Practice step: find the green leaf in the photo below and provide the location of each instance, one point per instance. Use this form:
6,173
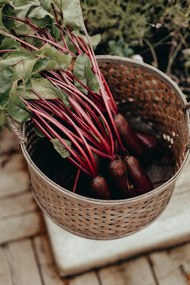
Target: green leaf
26,9
95,40
70,45
11,24
83,71
6,9
63,97
38,132
38,88
61,60
2,2
120,48
24,68
9,43
23,7
2,27
2,118
16,109
5,84
72,13
55,32
41,88
17,66
41,17
22,62
44,64
60,148
46,4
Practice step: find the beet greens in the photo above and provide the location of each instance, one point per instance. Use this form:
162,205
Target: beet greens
49,73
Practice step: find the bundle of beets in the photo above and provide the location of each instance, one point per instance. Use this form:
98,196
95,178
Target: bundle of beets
49,73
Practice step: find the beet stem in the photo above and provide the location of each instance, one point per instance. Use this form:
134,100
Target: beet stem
76,180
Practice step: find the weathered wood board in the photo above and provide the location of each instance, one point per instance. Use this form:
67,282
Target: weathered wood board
5,276
17,205
137,271
20,227
14,178
172,266
46,263
87,278
23,266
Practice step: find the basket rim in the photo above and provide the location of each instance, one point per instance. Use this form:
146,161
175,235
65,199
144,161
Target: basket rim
152,69
112,202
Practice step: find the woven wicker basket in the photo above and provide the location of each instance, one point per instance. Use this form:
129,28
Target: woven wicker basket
149,93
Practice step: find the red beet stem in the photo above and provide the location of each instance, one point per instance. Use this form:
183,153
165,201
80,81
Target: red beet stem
150,141
75,95
43,115
76,180
40,122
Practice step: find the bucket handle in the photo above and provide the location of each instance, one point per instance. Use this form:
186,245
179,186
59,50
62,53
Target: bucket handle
15,128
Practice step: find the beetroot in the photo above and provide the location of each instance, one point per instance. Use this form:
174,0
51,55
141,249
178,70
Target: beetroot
129,137
99,188
137,175
118,173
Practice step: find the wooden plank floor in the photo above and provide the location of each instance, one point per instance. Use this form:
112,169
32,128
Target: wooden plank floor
25,253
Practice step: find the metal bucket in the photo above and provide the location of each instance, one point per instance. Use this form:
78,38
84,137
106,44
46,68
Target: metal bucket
146,92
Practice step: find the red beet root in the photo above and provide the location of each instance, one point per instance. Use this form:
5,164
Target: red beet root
137,175
118,173
129,137
99,188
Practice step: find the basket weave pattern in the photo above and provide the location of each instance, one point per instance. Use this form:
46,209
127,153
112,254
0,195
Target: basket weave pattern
145,92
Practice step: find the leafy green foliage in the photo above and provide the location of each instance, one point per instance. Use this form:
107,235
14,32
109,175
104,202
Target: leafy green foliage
8,42
156,29
41,13
116,18
17,109
120,48
5,84
38,88
20,76
18,68
83,71
2,119
72,14
54,58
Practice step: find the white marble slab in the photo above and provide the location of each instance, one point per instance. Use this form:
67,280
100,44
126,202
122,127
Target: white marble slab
74,254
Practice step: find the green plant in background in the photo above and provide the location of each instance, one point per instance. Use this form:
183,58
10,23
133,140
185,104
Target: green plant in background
120,48
116,19
186,53
157,29
2,119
